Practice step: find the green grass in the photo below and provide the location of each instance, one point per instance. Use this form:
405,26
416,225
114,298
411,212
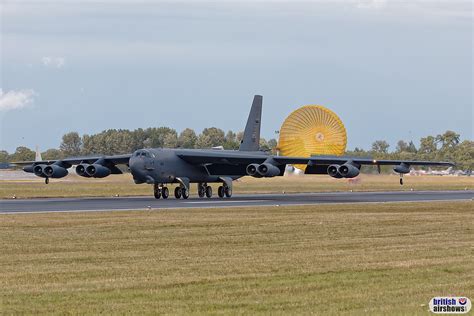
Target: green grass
323,259
73,186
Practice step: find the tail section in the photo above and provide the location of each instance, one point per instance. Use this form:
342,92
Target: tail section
251,138
38,154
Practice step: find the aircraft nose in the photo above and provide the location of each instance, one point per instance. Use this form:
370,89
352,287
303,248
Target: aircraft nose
137,168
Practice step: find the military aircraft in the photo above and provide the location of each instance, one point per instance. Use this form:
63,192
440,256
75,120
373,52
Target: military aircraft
162,166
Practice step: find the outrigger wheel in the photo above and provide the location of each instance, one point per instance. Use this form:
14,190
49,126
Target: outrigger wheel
312,130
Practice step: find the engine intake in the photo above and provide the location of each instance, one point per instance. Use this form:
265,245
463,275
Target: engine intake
252,170
81,170
39,170
348,170
55,171
268,170
333,171
97,171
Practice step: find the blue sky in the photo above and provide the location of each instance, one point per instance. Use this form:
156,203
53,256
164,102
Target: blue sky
390,69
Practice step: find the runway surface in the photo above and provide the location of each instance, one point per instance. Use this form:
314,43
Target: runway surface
146,203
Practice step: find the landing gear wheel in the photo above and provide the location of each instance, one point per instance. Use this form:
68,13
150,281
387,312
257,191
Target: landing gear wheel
209,192
177,192
165,193
157,194
185,193
228,192
220,191
46,180
401,181
201,190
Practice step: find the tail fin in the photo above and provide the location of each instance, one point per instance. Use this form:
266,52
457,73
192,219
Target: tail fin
38,154
251,139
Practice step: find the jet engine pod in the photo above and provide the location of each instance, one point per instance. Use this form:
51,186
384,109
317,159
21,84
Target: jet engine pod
38,170
252,170
402,168
29,168
81,170
268,170
348,170
55,171
333,171
97,171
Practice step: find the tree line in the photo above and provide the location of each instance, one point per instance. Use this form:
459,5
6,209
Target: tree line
446,147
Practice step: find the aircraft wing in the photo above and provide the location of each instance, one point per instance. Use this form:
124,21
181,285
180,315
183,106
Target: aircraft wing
329,160
115,159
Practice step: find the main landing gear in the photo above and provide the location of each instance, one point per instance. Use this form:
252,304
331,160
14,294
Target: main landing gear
46,180
181,192
160,191
224,191
204,190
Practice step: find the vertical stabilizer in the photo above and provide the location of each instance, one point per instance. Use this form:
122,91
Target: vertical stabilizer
251,138
38,155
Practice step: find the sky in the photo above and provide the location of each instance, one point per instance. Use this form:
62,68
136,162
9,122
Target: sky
390,69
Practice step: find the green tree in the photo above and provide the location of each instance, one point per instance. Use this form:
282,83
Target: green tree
447,140
170,140
380,146
231,141
71,144
23,154
211,137
187,138
4,156
52,154
402,146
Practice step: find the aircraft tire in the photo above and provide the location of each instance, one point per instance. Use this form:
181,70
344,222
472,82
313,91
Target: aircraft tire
228,192
201,190
220,191
185,193
177,192
157,194
46,180
165,193
208,192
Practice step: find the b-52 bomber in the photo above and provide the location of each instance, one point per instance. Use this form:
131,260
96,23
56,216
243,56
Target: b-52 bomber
162,166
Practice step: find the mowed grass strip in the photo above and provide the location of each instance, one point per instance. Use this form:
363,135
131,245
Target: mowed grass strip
323,259
74,186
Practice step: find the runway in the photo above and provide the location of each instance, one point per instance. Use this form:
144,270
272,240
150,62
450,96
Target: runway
149,203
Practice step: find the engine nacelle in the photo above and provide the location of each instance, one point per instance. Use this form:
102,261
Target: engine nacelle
98,171
333,171
268,170
29,168
348,170
402,168
81,170
39,170
252,170
55,171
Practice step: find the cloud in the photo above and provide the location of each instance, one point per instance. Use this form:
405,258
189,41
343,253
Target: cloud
371,4
13,100
57,62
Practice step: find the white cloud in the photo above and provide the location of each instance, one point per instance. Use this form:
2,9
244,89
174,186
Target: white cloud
57,62
12,100
371,4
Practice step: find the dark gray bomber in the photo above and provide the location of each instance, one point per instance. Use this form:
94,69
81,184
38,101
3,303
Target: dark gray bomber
160,166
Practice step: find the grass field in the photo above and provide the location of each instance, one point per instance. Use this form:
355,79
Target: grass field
322,259
74,186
